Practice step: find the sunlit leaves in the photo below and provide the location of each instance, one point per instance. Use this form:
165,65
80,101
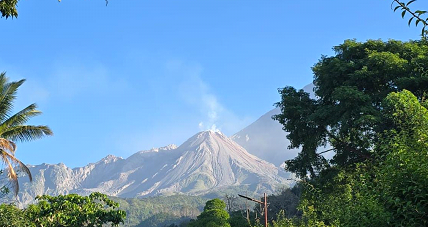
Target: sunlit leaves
75,210
8,8
349,88
214,215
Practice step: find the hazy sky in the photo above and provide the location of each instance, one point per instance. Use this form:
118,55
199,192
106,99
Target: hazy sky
139,74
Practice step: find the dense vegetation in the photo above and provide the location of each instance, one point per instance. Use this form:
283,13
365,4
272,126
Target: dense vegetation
371,111
347,113
161,210
370,107
69,210
214,215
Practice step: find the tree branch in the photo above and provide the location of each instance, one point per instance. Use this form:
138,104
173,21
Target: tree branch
417,14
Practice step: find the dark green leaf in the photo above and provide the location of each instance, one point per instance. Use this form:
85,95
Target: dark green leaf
410,21
397,7
410,2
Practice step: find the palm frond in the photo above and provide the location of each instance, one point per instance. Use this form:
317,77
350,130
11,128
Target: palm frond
20,165
24,168
20,118
7,145
7,95
12,129
10,159
26,132
11,174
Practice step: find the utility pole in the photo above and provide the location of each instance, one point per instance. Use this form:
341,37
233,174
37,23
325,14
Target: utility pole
264,203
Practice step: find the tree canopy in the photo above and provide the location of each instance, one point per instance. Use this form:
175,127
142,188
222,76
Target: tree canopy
214,215
75,210
12,216
389,190
346,112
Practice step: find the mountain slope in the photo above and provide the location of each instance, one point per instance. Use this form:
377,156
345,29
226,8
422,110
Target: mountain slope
266,139
207,162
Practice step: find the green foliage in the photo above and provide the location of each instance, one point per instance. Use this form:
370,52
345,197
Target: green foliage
75,210
11,216
402,174
284,203
8,8
350,87
175,208
238,219
214,215
308,219
370,107
214,204
162,219
415,16
390,189
346,200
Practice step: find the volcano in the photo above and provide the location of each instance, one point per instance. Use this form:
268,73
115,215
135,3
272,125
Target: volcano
207,162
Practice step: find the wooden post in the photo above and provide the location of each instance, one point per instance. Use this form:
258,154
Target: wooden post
260,202
265,205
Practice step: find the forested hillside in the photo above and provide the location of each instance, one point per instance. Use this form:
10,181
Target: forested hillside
160,210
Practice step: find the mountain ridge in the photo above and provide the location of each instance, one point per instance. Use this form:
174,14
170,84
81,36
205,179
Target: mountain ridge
266,139
208,161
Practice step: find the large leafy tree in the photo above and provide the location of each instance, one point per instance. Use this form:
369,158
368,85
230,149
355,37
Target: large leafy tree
389,190
75,210
13,129
349,88
401,177
214,215
12,216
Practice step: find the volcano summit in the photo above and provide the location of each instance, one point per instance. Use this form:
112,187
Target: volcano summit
207,162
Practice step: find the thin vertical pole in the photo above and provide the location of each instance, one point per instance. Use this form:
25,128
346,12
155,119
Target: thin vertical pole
266,218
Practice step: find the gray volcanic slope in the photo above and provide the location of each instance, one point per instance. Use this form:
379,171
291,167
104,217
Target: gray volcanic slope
207,162
266,139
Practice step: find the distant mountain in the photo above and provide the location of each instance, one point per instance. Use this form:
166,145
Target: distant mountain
265,138
207,162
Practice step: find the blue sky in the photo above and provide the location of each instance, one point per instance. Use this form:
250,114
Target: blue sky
134,75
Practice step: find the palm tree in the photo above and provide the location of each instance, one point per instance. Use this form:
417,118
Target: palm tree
13,129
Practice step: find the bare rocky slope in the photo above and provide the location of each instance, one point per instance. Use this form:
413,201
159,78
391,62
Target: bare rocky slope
207,162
